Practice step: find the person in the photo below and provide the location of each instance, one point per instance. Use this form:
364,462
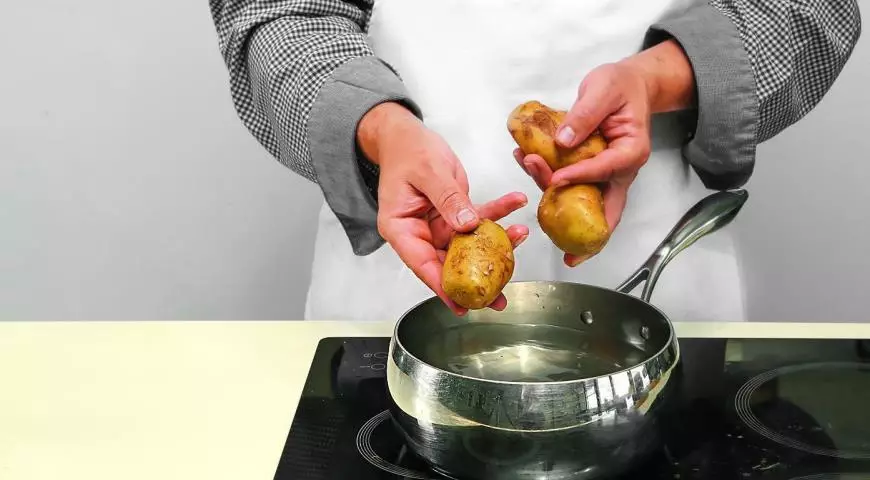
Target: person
397,109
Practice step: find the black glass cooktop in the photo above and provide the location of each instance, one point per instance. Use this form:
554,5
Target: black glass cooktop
750,409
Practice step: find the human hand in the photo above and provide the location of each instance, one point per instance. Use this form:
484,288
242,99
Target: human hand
423,195
618,99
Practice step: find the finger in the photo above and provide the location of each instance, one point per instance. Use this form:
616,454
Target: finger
503,206
518,234
519,155
422,258
574,260
493,210
615,197
616,159
461,176
539,171
451,200
534,166
499,304
596,100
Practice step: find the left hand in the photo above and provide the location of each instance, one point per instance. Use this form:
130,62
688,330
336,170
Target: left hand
614,98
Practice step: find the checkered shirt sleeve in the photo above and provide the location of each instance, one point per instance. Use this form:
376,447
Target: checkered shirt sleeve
275,79
796,49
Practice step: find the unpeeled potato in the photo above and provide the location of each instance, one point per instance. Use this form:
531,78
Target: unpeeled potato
533,126
572,216
478,265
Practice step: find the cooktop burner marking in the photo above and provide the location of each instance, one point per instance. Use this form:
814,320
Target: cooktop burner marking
744,411
835,476
364,445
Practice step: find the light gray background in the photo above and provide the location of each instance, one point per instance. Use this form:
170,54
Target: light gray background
130,190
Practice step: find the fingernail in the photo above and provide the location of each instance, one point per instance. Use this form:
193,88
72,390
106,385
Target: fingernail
465,216
566,135
521,240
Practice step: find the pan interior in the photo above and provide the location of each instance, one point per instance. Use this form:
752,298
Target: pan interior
545,335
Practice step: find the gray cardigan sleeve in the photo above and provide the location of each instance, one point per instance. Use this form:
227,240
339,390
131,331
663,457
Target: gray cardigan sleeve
760,66
301,78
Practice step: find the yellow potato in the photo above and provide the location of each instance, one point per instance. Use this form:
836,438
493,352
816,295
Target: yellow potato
533,126
572,216
478,265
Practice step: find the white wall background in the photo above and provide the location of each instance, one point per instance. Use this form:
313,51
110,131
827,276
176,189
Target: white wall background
128,187
130,190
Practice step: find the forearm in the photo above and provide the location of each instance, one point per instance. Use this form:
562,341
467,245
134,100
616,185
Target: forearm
668,75
386,119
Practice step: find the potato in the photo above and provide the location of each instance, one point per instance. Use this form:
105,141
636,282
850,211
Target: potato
572,216
478,265
533,126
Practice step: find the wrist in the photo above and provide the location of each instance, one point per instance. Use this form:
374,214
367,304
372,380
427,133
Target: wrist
668,76
379,124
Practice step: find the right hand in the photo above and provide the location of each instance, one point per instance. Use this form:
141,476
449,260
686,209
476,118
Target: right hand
423,194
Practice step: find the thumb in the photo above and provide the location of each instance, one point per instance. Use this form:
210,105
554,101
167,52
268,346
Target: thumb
451,201
595,101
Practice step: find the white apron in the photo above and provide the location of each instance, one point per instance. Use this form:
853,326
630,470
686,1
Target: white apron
468,63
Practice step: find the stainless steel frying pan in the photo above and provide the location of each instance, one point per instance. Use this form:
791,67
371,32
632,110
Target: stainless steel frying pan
571,381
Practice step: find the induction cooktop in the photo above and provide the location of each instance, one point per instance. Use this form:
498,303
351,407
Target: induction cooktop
789,409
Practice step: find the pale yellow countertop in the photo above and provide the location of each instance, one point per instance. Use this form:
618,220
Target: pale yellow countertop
185,400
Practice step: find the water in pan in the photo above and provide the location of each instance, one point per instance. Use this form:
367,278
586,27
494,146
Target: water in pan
527,353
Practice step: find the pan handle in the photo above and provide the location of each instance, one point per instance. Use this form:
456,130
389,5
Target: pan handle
710,214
